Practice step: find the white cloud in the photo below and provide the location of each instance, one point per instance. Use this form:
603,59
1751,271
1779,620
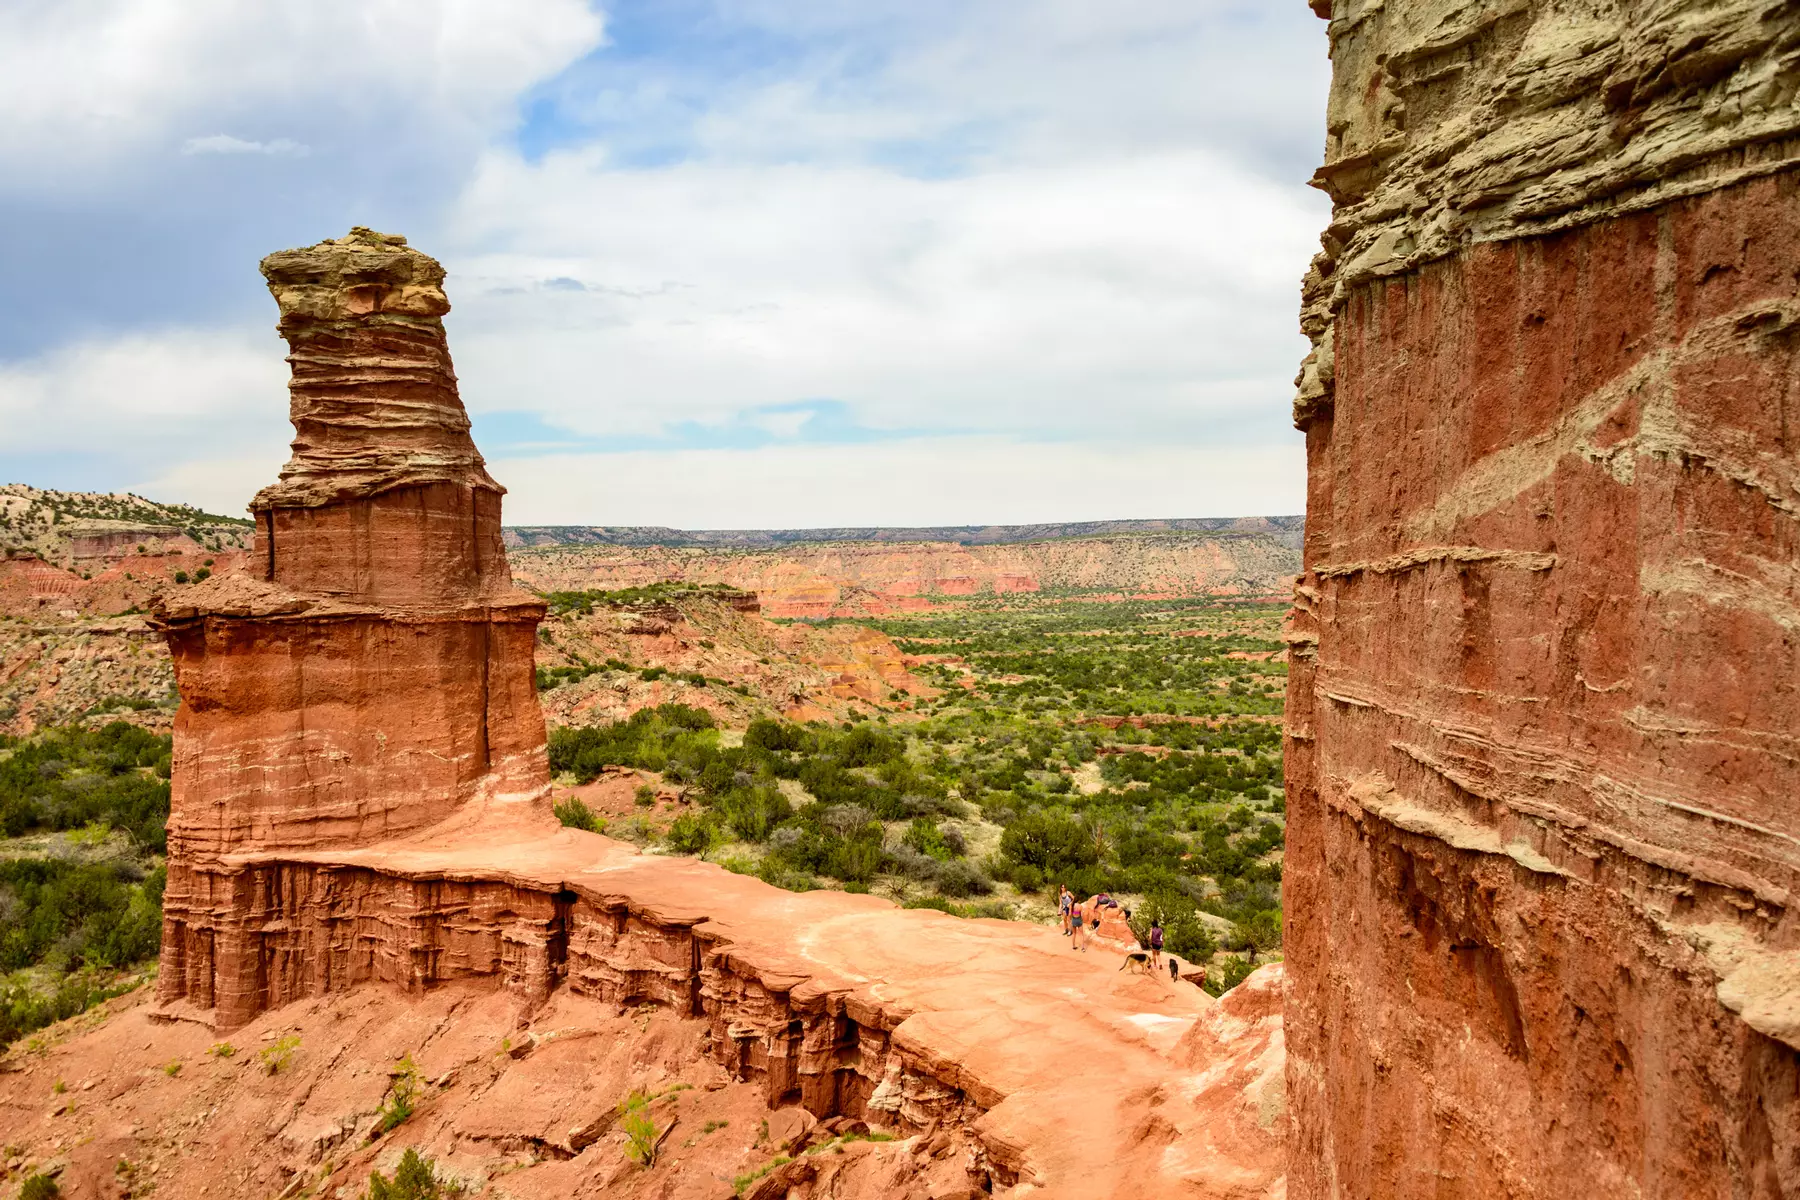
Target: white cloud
224,143
1132,295
88,83
1061,239
948,481
146,405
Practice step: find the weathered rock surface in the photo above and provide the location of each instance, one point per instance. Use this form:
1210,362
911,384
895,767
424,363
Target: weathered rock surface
1541,855
372,675
360,802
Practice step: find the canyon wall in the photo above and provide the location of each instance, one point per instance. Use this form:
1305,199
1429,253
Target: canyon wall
1544,736
848,579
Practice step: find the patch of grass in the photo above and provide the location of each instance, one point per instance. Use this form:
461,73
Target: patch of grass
172,1068
222,1050
277,1058
742,1183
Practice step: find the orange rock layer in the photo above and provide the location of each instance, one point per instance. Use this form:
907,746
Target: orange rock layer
372,674
1542,845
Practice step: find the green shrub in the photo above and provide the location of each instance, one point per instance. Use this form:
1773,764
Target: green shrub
39,1187
575,814
415,1178
276,1058
691,833
402,1097
1184,934
1049,841
961,879
1232,972
639,1128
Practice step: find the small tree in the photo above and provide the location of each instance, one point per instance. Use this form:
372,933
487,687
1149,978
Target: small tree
402,1097
640,1129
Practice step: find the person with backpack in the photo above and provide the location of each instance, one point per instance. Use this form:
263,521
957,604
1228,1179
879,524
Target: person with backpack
1156,944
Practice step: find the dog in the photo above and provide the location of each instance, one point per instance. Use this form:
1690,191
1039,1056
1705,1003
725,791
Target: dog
1137,958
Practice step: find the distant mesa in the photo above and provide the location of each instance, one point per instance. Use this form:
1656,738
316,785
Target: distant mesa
1286,529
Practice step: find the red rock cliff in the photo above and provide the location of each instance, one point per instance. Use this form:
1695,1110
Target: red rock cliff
1544,731
373,675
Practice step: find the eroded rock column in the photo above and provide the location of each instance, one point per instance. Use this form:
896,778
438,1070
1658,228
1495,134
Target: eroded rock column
1544,743
373,676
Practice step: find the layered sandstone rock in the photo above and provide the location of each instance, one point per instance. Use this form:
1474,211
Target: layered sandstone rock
1542,851
372,674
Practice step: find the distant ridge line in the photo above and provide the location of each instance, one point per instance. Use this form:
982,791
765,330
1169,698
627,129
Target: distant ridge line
1285,529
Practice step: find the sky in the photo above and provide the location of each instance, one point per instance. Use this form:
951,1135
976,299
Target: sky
713,263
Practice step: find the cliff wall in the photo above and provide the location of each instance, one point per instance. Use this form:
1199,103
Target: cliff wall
1542,846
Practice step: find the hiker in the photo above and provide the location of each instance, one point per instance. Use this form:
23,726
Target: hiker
1064,903
1156,944
1077,929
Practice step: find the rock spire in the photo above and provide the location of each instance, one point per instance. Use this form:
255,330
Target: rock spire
372,676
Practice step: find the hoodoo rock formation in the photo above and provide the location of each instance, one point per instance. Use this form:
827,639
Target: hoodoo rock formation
1544,729
360,799
373,676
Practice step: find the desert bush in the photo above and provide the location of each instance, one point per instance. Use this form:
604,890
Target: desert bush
691,833
924,836
575,814
962,878
639,1128
278,1057
39,1187
1231,972
755,813
1183,932
402,1098
1049,841
415,1178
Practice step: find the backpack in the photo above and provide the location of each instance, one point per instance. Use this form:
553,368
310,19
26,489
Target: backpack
1156,937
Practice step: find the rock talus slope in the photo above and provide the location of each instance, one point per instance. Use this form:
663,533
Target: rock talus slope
1544,723
360,802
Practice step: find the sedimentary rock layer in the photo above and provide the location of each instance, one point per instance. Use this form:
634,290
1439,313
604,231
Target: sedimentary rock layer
1075,1078
371,674
1544,731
